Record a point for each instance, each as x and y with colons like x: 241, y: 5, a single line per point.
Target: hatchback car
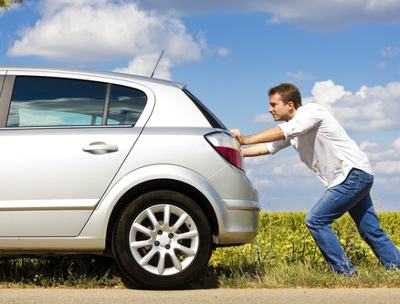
x: 115, y: 164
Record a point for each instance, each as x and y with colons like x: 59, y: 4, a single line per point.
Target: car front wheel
x: 162, y: 239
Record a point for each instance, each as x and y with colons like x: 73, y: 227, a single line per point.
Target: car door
x: 62, y: 143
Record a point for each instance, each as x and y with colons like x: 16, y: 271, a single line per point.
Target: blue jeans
x: 353, y: 196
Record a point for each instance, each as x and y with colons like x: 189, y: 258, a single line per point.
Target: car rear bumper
x: 240, y: 223
x: 239, y: 206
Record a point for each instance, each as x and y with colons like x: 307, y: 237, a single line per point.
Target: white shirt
x: 323, y: 145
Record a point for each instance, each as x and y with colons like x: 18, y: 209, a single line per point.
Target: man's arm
x: 255, y: 150
x: 269, y: 135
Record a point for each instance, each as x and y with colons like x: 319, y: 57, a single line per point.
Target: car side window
x: 42, y: 101
x: 126, y: 105
x: 46, y: 101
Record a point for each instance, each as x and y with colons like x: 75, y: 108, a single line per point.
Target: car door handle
x: 100, y: 148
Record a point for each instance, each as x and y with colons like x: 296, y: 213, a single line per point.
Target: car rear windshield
x: 212, y: 119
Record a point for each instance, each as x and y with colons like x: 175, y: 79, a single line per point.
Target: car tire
x: 162, y: 240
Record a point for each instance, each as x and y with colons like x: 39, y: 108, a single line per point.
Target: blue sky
x: 344, y: 55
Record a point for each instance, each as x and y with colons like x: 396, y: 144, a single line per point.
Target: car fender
x: 98, y: 222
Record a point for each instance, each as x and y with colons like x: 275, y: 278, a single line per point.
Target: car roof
x: 15, y: 70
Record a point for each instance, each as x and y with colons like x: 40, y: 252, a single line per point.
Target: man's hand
x: 254, y: 150
x: 238, y: 135
x: 270, y: 135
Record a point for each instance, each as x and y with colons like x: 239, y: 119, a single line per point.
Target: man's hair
x: 288, y: 92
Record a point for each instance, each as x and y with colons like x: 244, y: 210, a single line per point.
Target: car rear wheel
x: 162, y: 239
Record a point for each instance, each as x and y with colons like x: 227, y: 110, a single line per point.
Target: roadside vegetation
x: 283, y: 255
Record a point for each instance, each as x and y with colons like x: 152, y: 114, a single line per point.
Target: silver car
x: 115, y: 164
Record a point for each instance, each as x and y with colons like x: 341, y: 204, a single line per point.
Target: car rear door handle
x: 100, y: 148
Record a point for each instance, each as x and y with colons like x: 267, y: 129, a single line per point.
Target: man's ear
x: 291, y: 105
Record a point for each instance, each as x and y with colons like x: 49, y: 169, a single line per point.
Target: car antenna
x: 157, y: 64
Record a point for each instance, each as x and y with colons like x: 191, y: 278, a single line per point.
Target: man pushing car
x: 324, y: 146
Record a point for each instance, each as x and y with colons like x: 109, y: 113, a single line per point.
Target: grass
x: 296, y: 275
x: 65, y: 272
x: 283, y: 255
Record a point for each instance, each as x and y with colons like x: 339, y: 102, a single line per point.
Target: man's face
x: 278, y: 109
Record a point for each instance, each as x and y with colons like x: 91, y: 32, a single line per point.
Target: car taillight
x: 228, y: 146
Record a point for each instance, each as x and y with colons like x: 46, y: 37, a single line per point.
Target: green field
x: 283, y: 254
x: 284, y: 238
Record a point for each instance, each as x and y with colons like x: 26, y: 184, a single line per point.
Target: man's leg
x: 335, y: 202
x: 369, y: 228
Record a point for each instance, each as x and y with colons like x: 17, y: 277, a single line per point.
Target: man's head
x: 284, y: 101
x: 288, y: 92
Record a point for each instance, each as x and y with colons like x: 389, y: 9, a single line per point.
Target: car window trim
x: 5, y: 98
x: 2, y: 77
x: 106, y: 105
x: 66, y: 127
x: 8, y: 88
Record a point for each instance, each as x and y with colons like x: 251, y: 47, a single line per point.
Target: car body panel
x: 41, y: 179
x: 42, y: 223
x: 186, y: 147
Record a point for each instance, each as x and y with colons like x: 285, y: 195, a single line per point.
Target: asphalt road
x: 270, y: 296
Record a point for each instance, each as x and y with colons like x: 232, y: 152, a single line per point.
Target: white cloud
x: 396, y: 143
x: 223, y: 51
x: 259, y: 160
x: 326, y: 92
x: 299, y: 76
x: 387, y: 167
x: 389, y: 52
x: 382, y: 65
x: 316, y: 15
x: 378, y: 152
x: 101, y: 31
x: 369, y: 109
x: 385, y: 159
x: 144, y: 65
x: 390, y: 183
x: 276, y: 168
x: 364, y: 144
x: 262, y: 183
x: 263, y: 118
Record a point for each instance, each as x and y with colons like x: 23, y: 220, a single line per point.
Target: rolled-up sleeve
x: 276, y: 146
x: 286, y: 129
x: 301, y: 123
